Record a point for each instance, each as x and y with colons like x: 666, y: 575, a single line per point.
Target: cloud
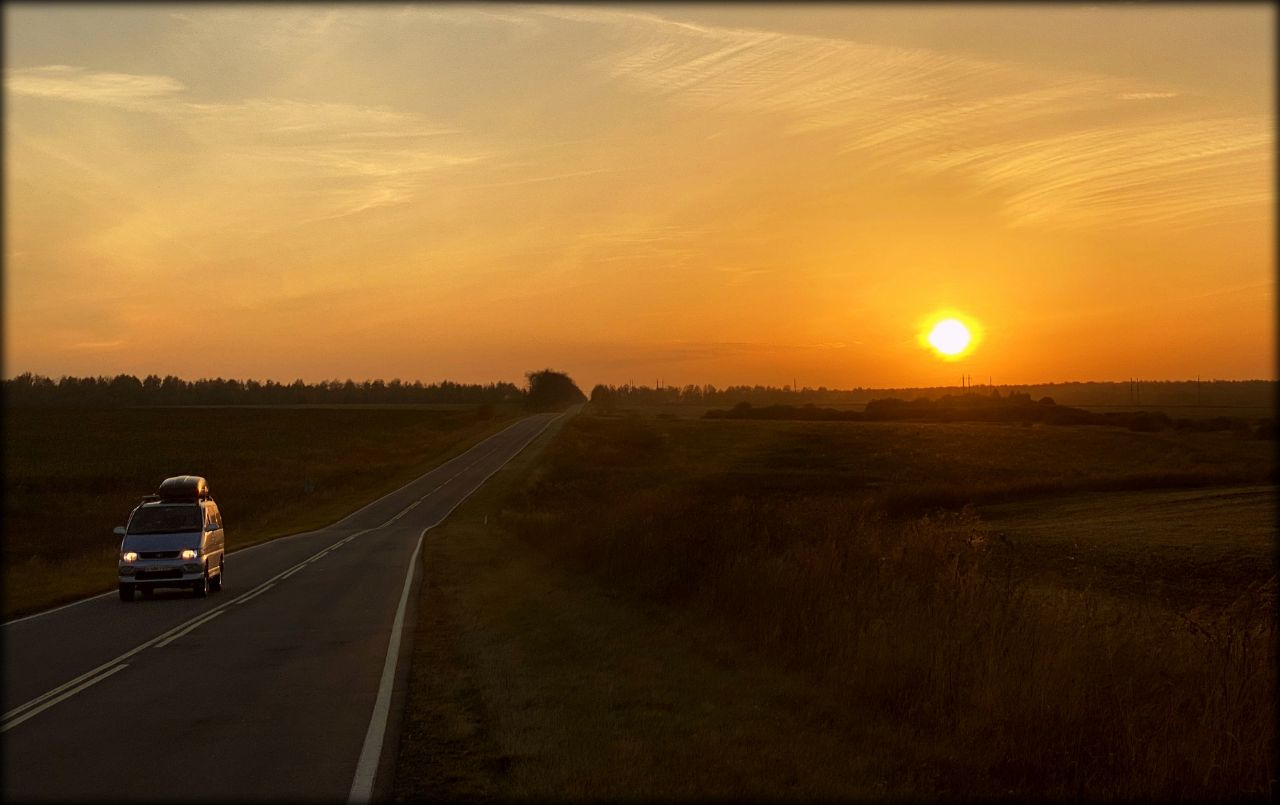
x: 380, y: 156
x: 1024, y: 132
x: 97, y: 346
x: 673, y: 352
x: 64, y: 82
x: 359, y: 157
x: 1150, y: 172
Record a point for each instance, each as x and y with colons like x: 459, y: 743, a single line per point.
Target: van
x: 173, y: 539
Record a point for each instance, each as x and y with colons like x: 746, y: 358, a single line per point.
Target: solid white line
x: 57, y: 609
x: 262, y: 589
x: 362, y: 784
x: 8, y: 725
x: 190, y: 628
x: 371, y: 752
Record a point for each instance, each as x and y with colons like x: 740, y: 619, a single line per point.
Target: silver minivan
x: 173, y: 539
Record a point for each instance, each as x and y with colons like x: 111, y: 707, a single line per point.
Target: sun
x: 950, y: 335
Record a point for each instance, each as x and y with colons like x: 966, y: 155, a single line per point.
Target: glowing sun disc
x: 950, y: 337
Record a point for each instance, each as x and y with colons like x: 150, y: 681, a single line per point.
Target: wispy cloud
x: 97, y: 346
x: 987, y: 120
x: 1151, y: 172
x: 67, y: 83
x: 370, y: 156
x: 676, y: 352
x: 382, y: 156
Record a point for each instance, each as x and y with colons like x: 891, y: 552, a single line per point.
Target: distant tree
x: 550, y: 390
x: 603, y: 399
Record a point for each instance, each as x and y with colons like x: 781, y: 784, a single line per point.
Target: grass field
x: 664, y: 607
x: 72, y: 475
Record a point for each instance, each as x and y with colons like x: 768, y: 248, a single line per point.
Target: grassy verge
x: 71, y: 476
x: 530, y: 682
x: 664, y: 608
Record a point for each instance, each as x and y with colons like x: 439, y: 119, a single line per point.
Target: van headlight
x: 129, y: 557
x: 189, y: 554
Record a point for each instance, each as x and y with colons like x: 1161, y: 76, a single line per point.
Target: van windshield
x: 165, y: 520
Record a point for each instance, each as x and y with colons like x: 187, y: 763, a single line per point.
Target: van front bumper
x: 160, y: 574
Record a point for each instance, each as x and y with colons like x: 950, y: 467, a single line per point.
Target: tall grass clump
x: 915, y: 623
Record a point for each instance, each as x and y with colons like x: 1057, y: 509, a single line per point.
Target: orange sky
x: 703, y: 194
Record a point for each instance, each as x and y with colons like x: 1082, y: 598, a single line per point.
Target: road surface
x: 277, y: 688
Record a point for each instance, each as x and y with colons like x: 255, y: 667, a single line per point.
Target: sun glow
x: 950, y: 335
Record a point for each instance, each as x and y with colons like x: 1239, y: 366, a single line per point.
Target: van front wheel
x: 201, y: 586
x: 215, y: 583
x: 126, y: 592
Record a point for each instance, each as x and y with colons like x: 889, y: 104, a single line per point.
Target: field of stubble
x: 855, y: 609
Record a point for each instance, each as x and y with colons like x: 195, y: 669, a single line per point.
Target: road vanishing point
x: 284, y: 686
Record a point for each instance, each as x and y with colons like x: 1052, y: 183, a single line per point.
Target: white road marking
x: 10, y: 724
x: 190, y: 628
x: 57, y: 609
x: 416, y: 503
x: 371, y: 752
x: 257, y: 592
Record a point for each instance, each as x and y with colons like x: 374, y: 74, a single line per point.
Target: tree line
x: 1209, y: 393
x: 33, y: 390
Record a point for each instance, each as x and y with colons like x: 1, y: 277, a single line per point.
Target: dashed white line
x: 190, y: 628
x: 259, y: 591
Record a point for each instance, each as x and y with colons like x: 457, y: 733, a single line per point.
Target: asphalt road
x: 277, y: 688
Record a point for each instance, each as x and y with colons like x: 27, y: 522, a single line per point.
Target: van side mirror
x: 210, y: 526
x: 118, y: 531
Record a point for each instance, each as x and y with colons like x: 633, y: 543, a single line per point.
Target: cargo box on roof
x: 184, y: 487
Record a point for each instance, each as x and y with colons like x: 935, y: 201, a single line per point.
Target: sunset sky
x: 704, y: 194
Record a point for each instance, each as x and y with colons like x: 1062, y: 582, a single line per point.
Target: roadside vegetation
x: 689, y: 608
x: 72, y: 474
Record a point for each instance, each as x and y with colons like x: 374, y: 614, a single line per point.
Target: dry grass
x: 528, y: 682
x: 771, y: 534
x: 72, y: 475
